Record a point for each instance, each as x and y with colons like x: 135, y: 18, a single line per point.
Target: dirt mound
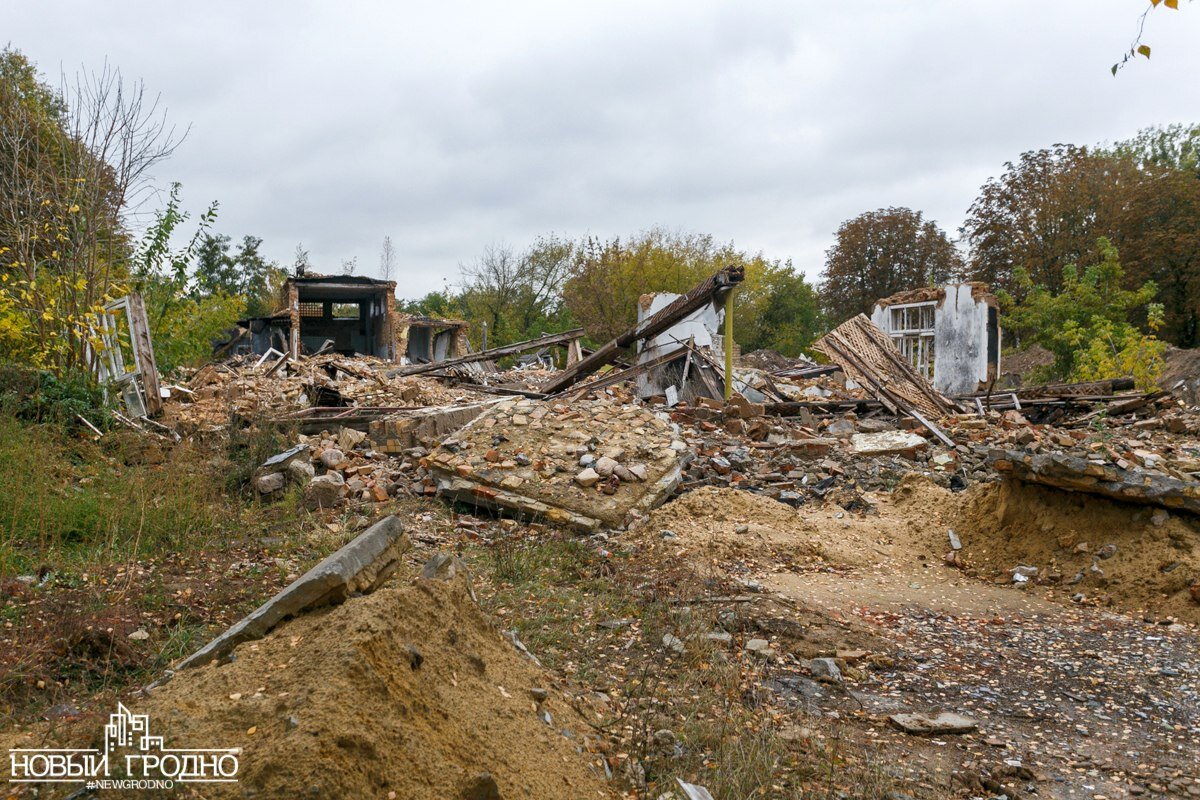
x: 1021, y: 369
x: 408, y: 690
x: 1182, y: 367
x: 1141, y: 558
x: 731, y: 523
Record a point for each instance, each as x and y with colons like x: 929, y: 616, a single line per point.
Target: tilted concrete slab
x: 1080, y: 475
x: 524, y: 456
x: 357, y: 568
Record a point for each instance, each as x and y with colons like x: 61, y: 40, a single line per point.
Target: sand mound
x: 408, y: 690
x: 727, y: 524
x: 1153, y: 558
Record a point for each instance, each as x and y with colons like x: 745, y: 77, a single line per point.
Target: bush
x: 41, y: 397
x: 1087, y: 325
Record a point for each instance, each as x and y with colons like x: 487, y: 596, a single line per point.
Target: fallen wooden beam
x: 617, y: 376
x: 714, y: 288
x: 493, y: 353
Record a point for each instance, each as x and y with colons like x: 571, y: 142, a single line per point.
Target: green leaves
x: 1088, y: 324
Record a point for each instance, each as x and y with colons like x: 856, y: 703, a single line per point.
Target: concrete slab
x: 358, y: 567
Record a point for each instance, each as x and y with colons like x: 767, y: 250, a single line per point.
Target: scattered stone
x: 587, y: 478
x: 672, y: 643
x: 825, y: 669
x: 270, y: 483
x: 324, y: 491
x: 604, y: 466
x: 301, y: 471
x: 921, y: 724
x: 902, y: 443
x: 759, y: 647
x: 332, y: 457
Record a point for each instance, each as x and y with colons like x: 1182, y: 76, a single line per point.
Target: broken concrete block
x: 359, y: 567
x: 825, y: 669
x: 301, y: 471
x: 920, y: 724
x: 269, y: 483
x: 903, y: 443
x: 324, y: 491
x: 588, y: 477
x: 424, y: 426
x: 332, y: 457
x: 278, y: 462
x: 347, y: 438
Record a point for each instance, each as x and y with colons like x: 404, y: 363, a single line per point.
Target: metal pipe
x: 729, y: 344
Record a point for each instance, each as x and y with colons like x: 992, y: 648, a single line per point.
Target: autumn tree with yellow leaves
x: 72, y: 162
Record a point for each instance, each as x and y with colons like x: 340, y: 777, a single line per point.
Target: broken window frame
x: 912, y: 330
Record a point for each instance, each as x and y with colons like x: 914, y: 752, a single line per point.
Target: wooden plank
x: 618, y: 376
x: 144, y: 353
x: 487, y: 355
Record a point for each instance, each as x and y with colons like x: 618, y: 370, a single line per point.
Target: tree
x: 1088, y: 323
x: 183, y: 321
x: 349, y: 265
x: 1046, y: 211
x: 1174, y: 147
x: 1050, y: 208
x: 245, y: 273
x: 72, y: 163
x: 519, y: 295
x: 882, y: 252
x: 790, y: 317
x: 1157, y: 229
x: 300, y: 264
x: 387, y: 259
x: 609, y: 277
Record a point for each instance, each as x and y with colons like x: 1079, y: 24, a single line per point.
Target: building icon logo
x: 132, y: 758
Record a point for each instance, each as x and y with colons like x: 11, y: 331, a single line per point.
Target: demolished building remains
x: 950, y: 334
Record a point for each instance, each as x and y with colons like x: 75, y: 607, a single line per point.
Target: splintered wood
x: 868, y: 357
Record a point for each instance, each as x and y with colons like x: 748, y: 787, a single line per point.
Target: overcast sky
x: 451, y: 126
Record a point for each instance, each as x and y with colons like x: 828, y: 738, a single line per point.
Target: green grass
x: 67, y: 502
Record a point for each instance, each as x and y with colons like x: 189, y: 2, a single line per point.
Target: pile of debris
x: 597, y: 444
x: 587, y: 464
x: 246, y: 389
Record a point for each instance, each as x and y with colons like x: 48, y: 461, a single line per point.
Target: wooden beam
x: 487, y: 355
x: 714, y: 288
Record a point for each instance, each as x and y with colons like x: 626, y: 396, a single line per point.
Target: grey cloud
x: 455, y: 125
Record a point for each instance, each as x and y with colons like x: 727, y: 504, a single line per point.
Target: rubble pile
x: 587, y: 464
x: 243, y: 388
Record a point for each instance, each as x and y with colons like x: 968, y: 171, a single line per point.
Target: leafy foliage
x: 1049, y: 208
x: 608, y: 278
x: 882, y: 252
x: 40, y: 396
x: 69, y: 165
x: 518, y: 295
x: 244, y: 273
x: 184, y: 319
x: 1086, y: 324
